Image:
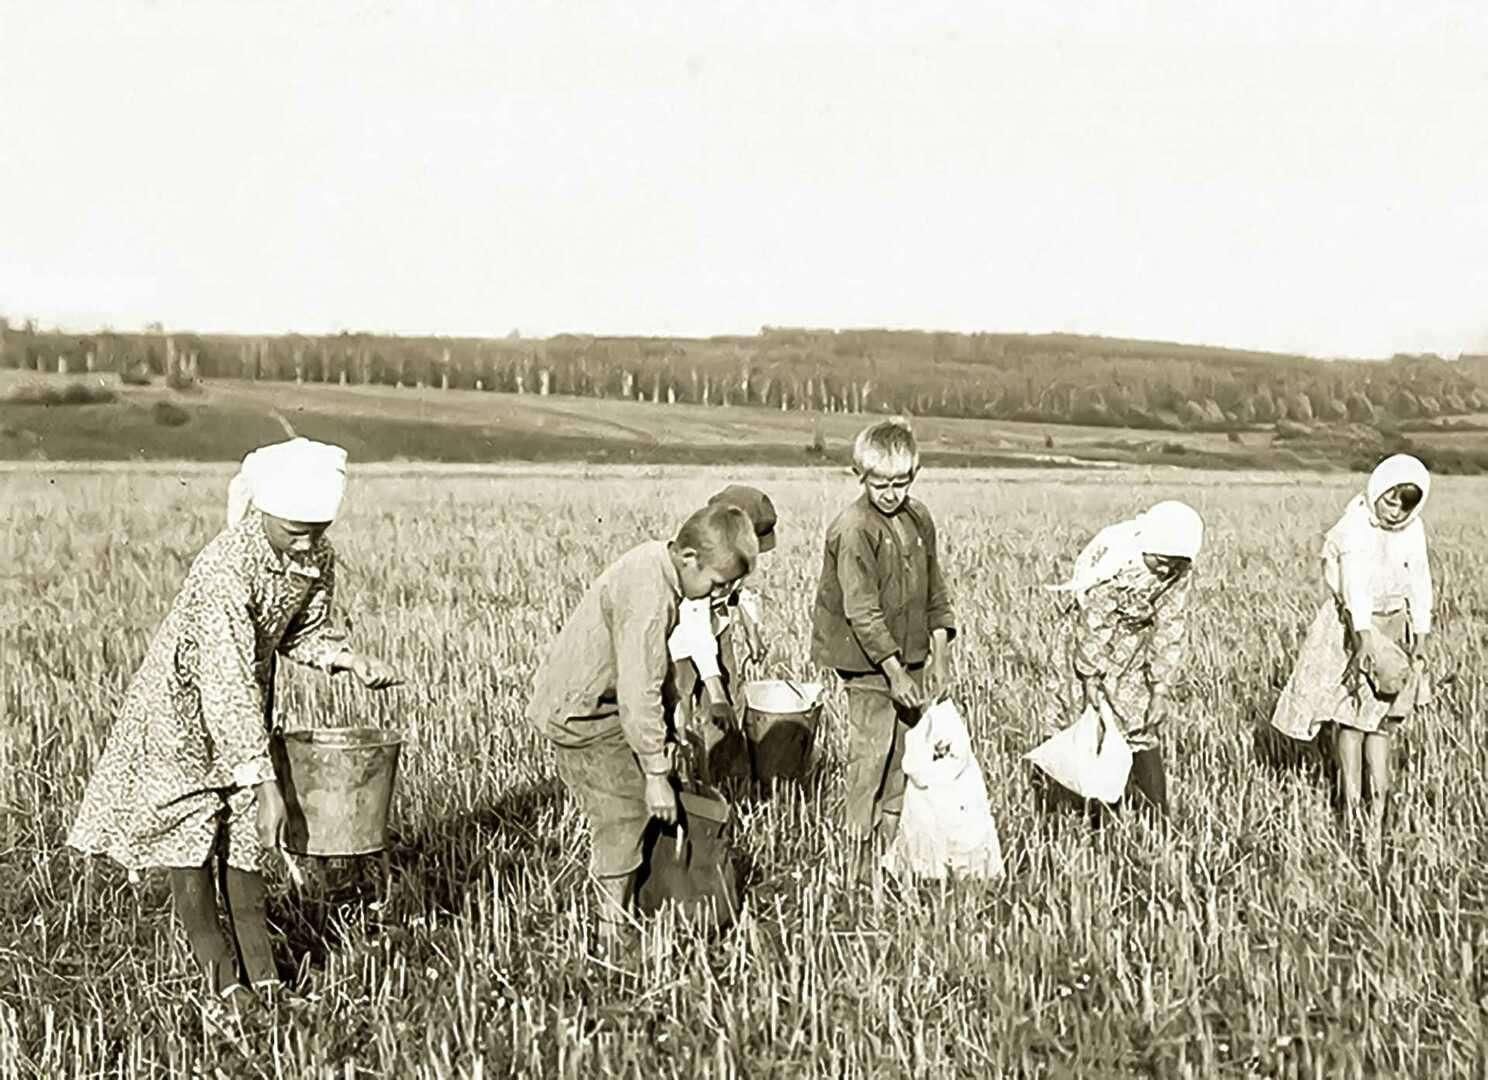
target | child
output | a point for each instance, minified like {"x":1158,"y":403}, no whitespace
{"x":1378,"y":606}
{"x":1131,"y":586}
{"x":883,"y":622}
{"x":603,"y":693}
{"x":703,"y":646}
{"x":185,"y":780}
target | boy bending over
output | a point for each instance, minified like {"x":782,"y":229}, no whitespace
{"x":602,"y":695}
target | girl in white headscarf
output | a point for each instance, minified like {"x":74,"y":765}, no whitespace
{"x":1359,"y":666}
{"x":1128,"y":628}
{"x":185,"y":780}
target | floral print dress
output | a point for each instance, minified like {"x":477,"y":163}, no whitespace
{"x":1132,"y":631}
{"x":192,"y":738}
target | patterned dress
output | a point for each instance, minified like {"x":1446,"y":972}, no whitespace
{"x":192,"y":738}
{"x":1131,"y":630}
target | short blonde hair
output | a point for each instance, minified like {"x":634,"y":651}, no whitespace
{"x":723,"y":536}
{"x":887,"y":448}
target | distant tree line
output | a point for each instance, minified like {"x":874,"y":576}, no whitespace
{"x":1055,"y":378}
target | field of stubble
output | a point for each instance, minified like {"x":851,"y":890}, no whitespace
{"x":1236,"y":939}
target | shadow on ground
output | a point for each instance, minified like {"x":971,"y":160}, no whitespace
{"x":440,"y":866}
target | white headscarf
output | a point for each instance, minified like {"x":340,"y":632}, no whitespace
{"x":298,"y":480}
{"x":1169,"y":528}
{"x":1394,"y":471}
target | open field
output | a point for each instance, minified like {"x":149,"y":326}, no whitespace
{"x":1237,"y":939}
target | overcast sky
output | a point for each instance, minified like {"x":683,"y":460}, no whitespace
{"x":1300,"y":175}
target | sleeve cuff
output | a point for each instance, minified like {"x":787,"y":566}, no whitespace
{"x":247,"y":774}
{"x":656,"y":764}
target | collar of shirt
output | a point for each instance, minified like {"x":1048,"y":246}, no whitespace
{"x":905,"y":511}
{"x":668,"y":568}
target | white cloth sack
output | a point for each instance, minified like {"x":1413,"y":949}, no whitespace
{"x":1069,"y":757}
{"x":946,"y":824}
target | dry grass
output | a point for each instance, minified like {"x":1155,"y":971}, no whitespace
{"x":1239,"y":939}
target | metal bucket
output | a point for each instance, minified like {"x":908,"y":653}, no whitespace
{"x":338,"y":785}
{"x":780,"y":721}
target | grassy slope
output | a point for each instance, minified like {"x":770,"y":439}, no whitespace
{"x":382,"y":423}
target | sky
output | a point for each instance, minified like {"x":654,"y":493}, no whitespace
{"x":1297,"y":176}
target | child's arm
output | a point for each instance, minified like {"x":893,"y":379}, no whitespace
{"x":1421,"y":593}
{"x":232,"y":702}
{"x":1356,"y":577}
{"x":638,"y":636}
{"x":1167,"y":652}
{"x":857,"y":574}
{"x":938,"y":610}
{"x":313,"y":639}
{"x":751,"y":625}
{"x":1093,"y":634}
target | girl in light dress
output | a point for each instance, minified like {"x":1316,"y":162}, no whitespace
{"x":1360,"y":666}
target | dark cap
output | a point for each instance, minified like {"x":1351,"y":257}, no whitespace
{"x":756,"y":506}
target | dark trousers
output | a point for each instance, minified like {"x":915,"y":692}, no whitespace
{"x":1146,"y":787}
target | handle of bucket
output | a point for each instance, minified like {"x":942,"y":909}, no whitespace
{"x":806,"y":701}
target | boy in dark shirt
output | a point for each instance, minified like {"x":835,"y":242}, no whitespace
{"x":883,"y":622}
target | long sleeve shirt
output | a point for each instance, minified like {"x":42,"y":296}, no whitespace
{"x":881,"y":591}
{"x":1373,"y":570}
{"x":608,"y":667}
{"x":1134,"y":624}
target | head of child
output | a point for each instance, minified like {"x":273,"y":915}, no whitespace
{"x":296,"y":486}
{"x":886,"y":460}
{"x":1395,"y":506}
{"x":757,"y":506}
{"x":1397,"y":488}
{"x":292,"y":537}
{"x":713,"y":550}
{"x":1172,"y":534}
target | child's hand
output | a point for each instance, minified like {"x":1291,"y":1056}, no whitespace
{"x":271,"y":814}
{"x":722,"y":714}
{"x":754,"y":641}
{"x":661,"y":800}
{"x":904,"y":691}
{"x":374,"y":674}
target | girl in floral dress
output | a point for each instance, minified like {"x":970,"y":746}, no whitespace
{"x":185,"y":780}
{"x":1127,"y":631}
{"x":1360,"y":665}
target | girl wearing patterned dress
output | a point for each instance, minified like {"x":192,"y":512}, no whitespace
{"x":1360,"y":665}
{"x":1126,"y":637}
{"x":185,"y":780}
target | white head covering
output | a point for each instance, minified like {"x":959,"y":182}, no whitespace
{"x":298,"y":480}
{"x":1391,"y":473}
{"x":1169,"y":528}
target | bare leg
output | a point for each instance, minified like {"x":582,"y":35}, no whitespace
{"x":1377,"y":762}
{"x":1349,"y":746}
